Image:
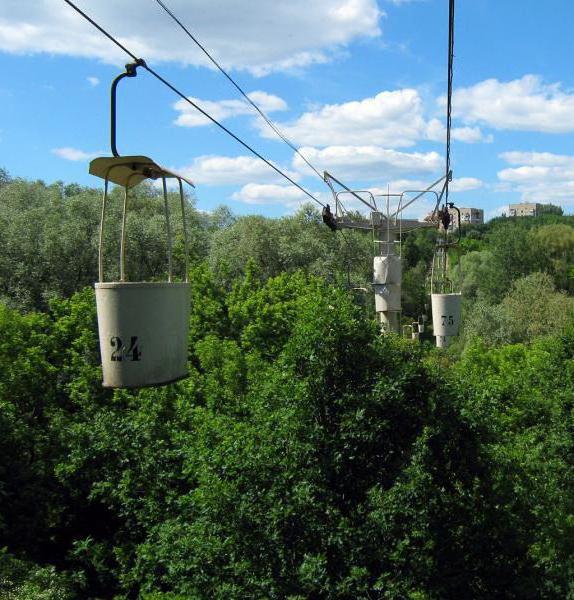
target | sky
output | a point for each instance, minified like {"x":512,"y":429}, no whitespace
{"x":358,"y":86}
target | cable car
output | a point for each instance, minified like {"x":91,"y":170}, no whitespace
{"x":143,"y":325}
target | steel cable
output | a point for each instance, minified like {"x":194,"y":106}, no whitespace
{"x":186,"y":99}
{"x":239,"y":89}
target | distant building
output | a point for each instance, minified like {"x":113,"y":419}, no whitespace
{"x":468,"y":216}
{"x":531,"y":209}
{"x":524,"y":209}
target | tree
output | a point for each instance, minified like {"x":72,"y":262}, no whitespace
{"x":514,"y":254}
{"x":4,"y":177}
{"x":535,"y":309}
{"x":49,"y":242}
{"x":557,"y":243}
{"x":549,"y":209}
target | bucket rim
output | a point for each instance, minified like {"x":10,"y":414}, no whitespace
{"x":447,"y":295}
{"x":118,"y":285}
{"x":146,"y":385}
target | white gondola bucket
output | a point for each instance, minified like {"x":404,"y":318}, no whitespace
{"x":446,"y":314}
{"x":143,"y":332}
{"x":387,"y":269}
{"x":143,"y":326}
{"x":387,"y":297}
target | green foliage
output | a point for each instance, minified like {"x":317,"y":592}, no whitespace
{"x":306,"y":456}
{"x":300,"y":242}
{"x":521,"y":399}
{"x":550,"y":209}
{"x":21,"y":580}
{"x":557,"y":241}
{"x":532,"y":309}
{"x":49,"y":241}
{"x":4,"y":177}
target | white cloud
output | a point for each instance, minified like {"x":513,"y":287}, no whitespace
{"x":525,"y":104}
{"x":227,"y":170}
{"x":367,"y":162}
{"x":224,"y":109}
{"x":393,"y":119}
{"x":545,"y":159}
{"x":74,"y":154}
{"x":497,"y":212}
{"x":436,"y":131}
{"x":254,"y":193}
{"x":539,"y":176}
{"x":93,"y":81}
{"x":272,"y":36}
{"x":465,"y":184}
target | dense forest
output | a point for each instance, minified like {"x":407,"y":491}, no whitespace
{"x":306,"y":456}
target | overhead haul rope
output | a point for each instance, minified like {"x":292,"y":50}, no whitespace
{"x":441,"y":254}
{"x":449,"y":92}
{"x":141,"y":62}
{"x":239,"y":89}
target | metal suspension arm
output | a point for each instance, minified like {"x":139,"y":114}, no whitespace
{"x":131,"y":71}
{"x":428,"y":189}
{"x":328,"y":176}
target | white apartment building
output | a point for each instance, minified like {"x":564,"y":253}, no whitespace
{"x":468,"y":216}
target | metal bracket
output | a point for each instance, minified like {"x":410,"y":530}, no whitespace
{"x":131,"y":71}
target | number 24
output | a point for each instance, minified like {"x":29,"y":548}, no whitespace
{"x":121,"y":353}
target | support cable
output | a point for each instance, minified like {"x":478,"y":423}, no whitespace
{"x":238,"y":88}
{"x":184,"y":97}
{"x":449,"y":93}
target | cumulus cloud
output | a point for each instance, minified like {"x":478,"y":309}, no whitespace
{"x":393,"y":119}
{"x":93,"y":81}
{"x":228,"y":170}
{"x":465,"y":184}
{"x":436,"y":131}
{"x":539,"y":176}
{"x":368,"y":162}
{"x":272,"y":36}
{"x":74,"y":154}
{"x":533,"y":159}
{"x":224,"y":109}
{"x":254,"y":193}
{"x":525,"y":104}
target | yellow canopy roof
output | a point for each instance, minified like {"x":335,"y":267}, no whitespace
{"x":130,"y":170}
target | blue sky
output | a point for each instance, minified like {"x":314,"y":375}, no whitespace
{"x":357,"y":85}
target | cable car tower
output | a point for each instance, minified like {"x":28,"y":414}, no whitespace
{"x":386,"y":223}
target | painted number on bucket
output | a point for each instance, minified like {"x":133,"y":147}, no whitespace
{"x":121,"y":353}
{"x":447,"y":320}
